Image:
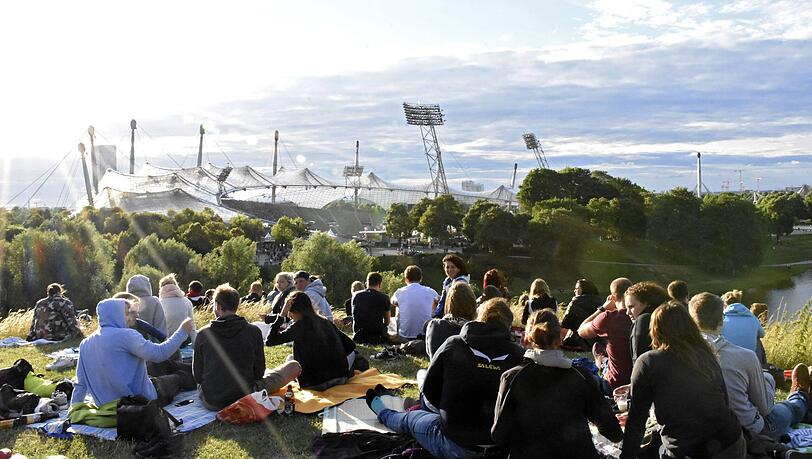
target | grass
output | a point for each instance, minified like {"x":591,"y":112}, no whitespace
{"x":284,"y":437}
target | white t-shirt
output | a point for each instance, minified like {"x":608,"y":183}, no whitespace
{"x":415,"y":302}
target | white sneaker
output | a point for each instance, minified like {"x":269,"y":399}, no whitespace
{"x":61,"y":363}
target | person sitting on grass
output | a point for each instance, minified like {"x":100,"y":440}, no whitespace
{"x":750,"y":391}
{"x":54,"y":317}
{"x":255,"y":293}
{"x":149,"y":306}
{"x":355,"y":287}
{"x":323,"y":351}
{"x":112,"y":360}
{"x":229,"y":360}
{"x":740,"y":327}
{"x":315,"y":290}
{"x":641,"y":300}
{"x":612,"y":325}
{"x":681,"y":377}
{"x":460,"y":308}
{"x":678,"y":290}
{"x":539,"y":298}
{"x":414,"y":304}
{"x":195,"y":294}
{"x":582,"y":305}
{"x":455,"y":271}
{"x":371,"y":312}
{"x":176,"y":306}
{"x":462,"y":382}
{"x":545,"y":405}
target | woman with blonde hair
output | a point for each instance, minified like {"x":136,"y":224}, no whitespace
{"x":176,"y":306}
{"x":681,"y":367}
{"x":740,"y":326}
{"x":548,"y":383}
{"x":540,"y":298}
{"x":460,"y":308}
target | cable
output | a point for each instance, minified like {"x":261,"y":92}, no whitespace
{"x":295,"y":166}
{"x":40,"y":176}
{"x":65,"y":183}
{"x":223,"y":152}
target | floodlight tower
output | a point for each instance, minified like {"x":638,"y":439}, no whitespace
{"x":200,"y":148}
{"x":426,"y":117}
{"x":352,"y":174}
{"x":87,"y":177}
{"x":532,"y":143}
{"x":133,"y":127}
{"x":91,"y":131}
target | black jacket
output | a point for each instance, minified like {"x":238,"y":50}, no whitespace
{"x":537,"y":304}
{"x":544,"y":411}
{"x":439,"y":330}
{"x":278,"y":300}
{"x":228,"y":359}
{"x":319,"y":347}
{"x":581,"y":307}
{"x":640,"y":337}
{"x":462,"y":381}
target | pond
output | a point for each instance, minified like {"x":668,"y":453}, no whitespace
{"x":791,"y":299}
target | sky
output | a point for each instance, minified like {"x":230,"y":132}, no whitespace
{"x":634,"y":88}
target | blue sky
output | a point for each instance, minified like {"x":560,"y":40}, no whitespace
{"x":631,"y":87}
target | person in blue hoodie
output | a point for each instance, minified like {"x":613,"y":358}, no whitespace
{"x":740,"y":326}
{"x":112,"y":360}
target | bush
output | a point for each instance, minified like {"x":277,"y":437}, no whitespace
{"x":167,"y":256}
{"x":232,"y":262}
{"x":337,"y":264}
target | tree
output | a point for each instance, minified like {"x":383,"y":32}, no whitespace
{"x":471,"y":219}
{"x":168,"y":256}
{"x":252,"y":228}
{"x":782,"y":211}
{"x":417,"y":211}
{"x":398,"y":223}
{"x":557,"y":234}
{"x":496,"y":231}
{"x":538,"y":185}
{"x":149,"y":223}
{"x":337,"y":264}
{"x":673,"y":223}
{"x":441,"y":216}
{"x":732,"y":233}
{"x":286,"y":229}
{"x":618,"y":219}
{"x":233,"y":262}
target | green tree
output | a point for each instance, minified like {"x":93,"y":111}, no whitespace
{"x":557,"y":234}
{"x":287,"y":229}
{"x":398,"y":223}
{"x":391,"y":282}
{"x":497,"y":231}
{"x":233,"y":262}
{"x":781,"y":211}
{"x":539,"y":185}
{"x":417,"y":211}
{"x":168,"y":256}
{"x":442,"y":216}
{"x":673,"y":223}
{"x":470,"y":222}
{"x":149,"y":223}
{"x":337,"y":264}
{"x":732,"y":233}
{"x":195,"y":236}
{"x":617,"y":218}
{"x":252,"y":228}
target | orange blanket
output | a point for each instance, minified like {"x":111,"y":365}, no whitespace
{"x":308,"y":401}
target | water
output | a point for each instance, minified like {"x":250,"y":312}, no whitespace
{"x":791,"y":299}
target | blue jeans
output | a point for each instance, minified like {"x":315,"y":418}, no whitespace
{"x":784,"y":414}
{"x":425,"y":428}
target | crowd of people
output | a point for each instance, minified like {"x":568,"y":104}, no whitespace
{"x":696,"y":360}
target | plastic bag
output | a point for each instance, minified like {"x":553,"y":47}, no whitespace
{"x":251,"y":408}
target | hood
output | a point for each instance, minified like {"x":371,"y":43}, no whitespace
{"x":717,"y":342}
{"x":487,"y":338}
{"x":228,"y":326}
{"x":111,"y":313}
{"x":139,"y":285}
{"x":548,"y":358}
{"x":317,"y":287}
{"x":171,"y":291}
{"x":737,"y":309}
{"x":465,"y":278}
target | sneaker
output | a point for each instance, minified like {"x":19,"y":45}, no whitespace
{"x":800,"y":378}
{"x":388,"y":352}
{"x":61,"y":363}
{"x":60,"y":398}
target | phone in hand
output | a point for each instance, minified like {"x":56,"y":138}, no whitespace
{"x":184,"y":402}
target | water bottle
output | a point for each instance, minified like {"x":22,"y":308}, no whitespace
{"x":289,"y":403}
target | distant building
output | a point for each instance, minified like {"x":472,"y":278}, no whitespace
{"x":470,"y":185}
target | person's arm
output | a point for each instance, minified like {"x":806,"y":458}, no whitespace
{"x":433,"y":384}
{"x":69,"y":314}
{"x":152,"y":352}
{"x":144,"y":327}
{"x":503,"y":411}
{"x":599,"y":412}
{"x":589,"y":328}
{"x":80,"y":387}
{"x":259,"y":355}
{"x":641,"y":400}
{"x":190,"y":313}
{"x":275,"y":337}
{"x":760,"y":330}
{"x":197,"y":358}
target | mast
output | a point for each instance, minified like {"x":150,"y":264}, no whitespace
{"x":132,"y":146}
{"x":698,"y":175}
{"x":91,"y":131}
{"x":200,"y":148}
{"x":513,"y":180}
{"x":87,"y":177}
{"x":357,"y":181}
{"x":275,"y":158}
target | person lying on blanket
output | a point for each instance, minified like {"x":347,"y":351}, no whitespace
{"x":112,"y":360}
{"x":319,"y":346}
{"x":229,"y":360}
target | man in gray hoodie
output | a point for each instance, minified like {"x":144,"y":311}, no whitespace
{"x":750,"y":390}
{"x":316,"y":291}
{"x":149,"y":306}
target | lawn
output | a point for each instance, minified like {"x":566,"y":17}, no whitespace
{"x":278,"y":437}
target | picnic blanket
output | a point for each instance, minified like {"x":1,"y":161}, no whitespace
{"x":14,"y":341}
{"x":193,"y":415}
{"x":309,"y":401}
{"x":355,"y":414}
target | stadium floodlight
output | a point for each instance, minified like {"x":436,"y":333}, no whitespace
{"x":353,"y":171}
{"x":532,"y":143}
{"x":426,"y":117}
{"x":530,"y":140}
{"x":423,"y":115}
{"x":224,"y":174}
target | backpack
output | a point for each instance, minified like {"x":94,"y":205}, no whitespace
{"x":15,"y":374}
{"x":141,"y":419}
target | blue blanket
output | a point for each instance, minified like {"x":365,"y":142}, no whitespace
{"x":193,"y":415}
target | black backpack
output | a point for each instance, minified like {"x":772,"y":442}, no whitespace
{"x":15,"y":375}
{"x":140,"y":419}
